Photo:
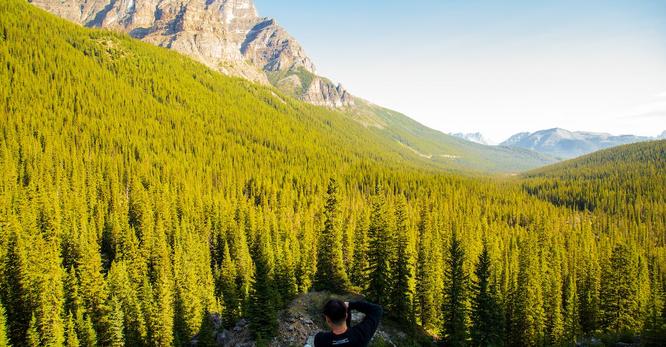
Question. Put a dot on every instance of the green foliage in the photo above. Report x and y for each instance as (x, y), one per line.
(619, 296)
(32, 336)
(4, 339)
(71, 337)
(456, 284)
(262, 310)
(228, 289)
(426, 276)
(570, 304)
(486, 312)
(331, 274)
(441, 150)
(529, 315)
(280, 78)
(135, 182)
(86, 331)
(207, 333)
(379, 252)
(116, 327)
(401, 283)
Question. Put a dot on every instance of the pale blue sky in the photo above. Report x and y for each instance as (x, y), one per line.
(498, 67)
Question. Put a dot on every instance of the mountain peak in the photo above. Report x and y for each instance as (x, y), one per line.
(236, 9)
(226, 35)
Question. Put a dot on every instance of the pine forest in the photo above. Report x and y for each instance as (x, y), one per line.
(142, 193)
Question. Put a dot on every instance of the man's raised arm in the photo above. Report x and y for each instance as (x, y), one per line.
(373, 314)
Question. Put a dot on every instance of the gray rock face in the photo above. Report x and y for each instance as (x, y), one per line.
(324, 93)
(226, 35)
(566, 144)
(269, 46)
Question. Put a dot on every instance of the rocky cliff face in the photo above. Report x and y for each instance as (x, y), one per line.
(226, 35)
(323, 93)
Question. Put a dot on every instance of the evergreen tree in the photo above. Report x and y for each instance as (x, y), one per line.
(18, 307)
(93, 289)
(71, 338)
(4, 339)
(190, 305)
(485, 315)
(589, 304)
(116, 331)
(126, 292)
(49, 310)
(379, 253)
(570, 310)
(160, 294)
(206, 336)
(285, 278)
(655, 327)
(529, 313)
(32, 335)
(86, 331)
(228, 290)
(553, 299)
(619, 303)
(425, 282)
(262, 310)
(331, 273)
(359, 274)
(455, 301)
(401, 292)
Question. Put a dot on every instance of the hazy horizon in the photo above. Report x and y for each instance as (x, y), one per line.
(498, 69)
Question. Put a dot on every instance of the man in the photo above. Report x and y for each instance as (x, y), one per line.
(338, 318)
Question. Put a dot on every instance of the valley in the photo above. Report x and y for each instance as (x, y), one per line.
(149, 199)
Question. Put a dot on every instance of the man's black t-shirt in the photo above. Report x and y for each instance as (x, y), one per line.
(358, 335)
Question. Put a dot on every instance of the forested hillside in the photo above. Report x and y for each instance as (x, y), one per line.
(231, 37)
(608, 180)
(141, 193)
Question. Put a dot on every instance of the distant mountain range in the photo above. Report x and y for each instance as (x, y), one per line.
(565, 144)
(473, 137)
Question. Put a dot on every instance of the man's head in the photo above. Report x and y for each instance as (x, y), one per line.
(335, 312)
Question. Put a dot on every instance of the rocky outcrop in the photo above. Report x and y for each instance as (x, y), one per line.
(226, 35)
(269, 46)
(324, 93)
(301, 320)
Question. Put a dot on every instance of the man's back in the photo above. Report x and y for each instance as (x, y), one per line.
(358, 335)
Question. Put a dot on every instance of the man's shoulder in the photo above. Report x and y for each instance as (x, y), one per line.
(327, 338)
(320, 337)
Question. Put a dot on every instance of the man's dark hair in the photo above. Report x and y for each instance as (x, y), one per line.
(336, 311)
